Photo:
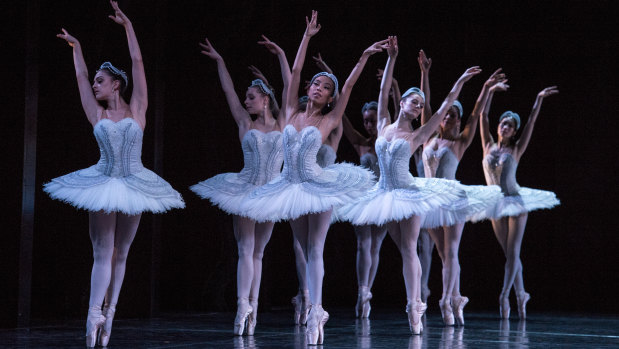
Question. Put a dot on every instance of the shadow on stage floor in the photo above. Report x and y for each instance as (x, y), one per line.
(385, 329)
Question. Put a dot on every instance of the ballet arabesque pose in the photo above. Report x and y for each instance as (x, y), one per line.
(261, 140)
(118, 188)
(510, 215)
(441, 156)
(305, 194)
(398, 199)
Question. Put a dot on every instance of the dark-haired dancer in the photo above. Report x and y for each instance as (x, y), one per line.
(262, 150)
(118, 188)
(500, 162)
(305, 193)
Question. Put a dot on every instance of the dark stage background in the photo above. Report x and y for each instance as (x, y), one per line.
(569, 253)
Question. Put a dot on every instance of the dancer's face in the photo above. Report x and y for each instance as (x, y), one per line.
(507, 128)
(255, 101)
(451, 120)
(369, 121)
(321, 90)
(412, 105)
(103, 85)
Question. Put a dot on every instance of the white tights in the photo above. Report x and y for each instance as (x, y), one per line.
(311, 232)
(369, 240)
(111, 235)
(509, 231)
(251, 240)
(405, 233)
(447, 240)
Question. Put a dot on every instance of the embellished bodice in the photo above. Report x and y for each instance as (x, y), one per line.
(262, 156)
(439, 161)
(300, 151)
(120, 145)
(370, 161)
(500, 169)
(326, 156)
(393, 160)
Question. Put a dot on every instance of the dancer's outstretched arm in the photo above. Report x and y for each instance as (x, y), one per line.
(139, 95)
(484, 124)
(292, 96)
(286, 74)
(239, 113)
(424, 65)
(89, 102)
(422, 134)
(468, 133)
(336, 114)
(523, 142)
(383, 117)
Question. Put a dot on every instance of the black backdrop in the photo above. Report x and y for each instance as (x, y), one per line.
(569, 253)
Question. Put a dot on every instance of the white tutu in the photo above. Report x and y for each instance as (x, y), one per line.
(500, 168)
(118, 182)
(303, 186)
(527, 200)
(263, 158)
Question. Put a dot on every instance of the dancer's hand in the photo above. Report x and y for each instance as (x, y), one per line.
(392, 46)
(548, 91)
(70, 39)
(258, 74)
(497, 77)
(320, 63)
(424, 62)
(209, 51)
(377, 47)
(270, 45)
(118, 17)
(312, 26)
(469, 73)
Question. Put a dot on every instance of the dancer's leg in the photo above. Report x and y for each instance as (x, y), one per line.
(364, 257)
(425, 245)
(378, 235)
(102, 227)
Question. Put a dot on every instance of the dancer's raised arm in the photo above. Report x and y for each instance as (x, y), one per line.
(139, 96)
(424, 65)
(89, 102)
(239, 113)
(292, 95)
(285, 70)
(484, 124)
(340, 107)
(523, 142)
(468, 133)
(384, 118)
(422, 134)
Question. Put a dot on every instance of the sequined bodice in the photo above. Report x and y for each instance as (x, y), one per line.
(500, 169)
(120, 144)
(393, 160)
(370, 161)
(439, 162)
(262, 156)
(300, 150)
(326, 156)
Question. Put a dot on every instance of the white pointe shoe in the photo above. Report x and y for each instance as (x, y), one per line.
(447, 311)
(362, 309)
(94, 323)
(458, 304)
(252, 318)
(316, 321)
(301, 307)
(522, 298)
(504, 306)
(242, 313)
(106, 331)
(415, 311)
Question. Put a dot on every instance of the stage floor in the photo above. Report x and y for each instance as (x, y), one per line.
(385, 329)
